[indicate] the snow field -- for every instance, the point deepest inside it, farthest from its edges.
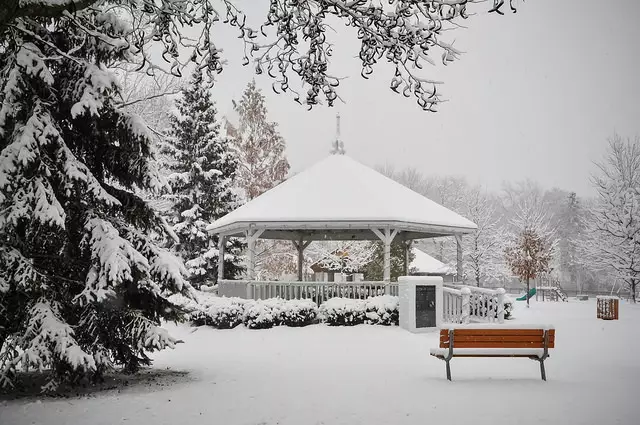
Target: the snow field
(374, 375)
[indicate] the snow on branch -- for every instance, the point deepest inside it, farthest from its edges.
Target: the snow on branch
(114, 260)
(46, 339)
(293, 40)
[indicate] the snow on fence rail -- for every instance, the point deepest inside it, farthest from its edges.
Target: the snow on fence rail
(470, 303)
(317, 291)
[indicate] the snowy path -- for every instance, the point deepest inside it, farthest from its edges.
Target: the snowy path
(375, 375)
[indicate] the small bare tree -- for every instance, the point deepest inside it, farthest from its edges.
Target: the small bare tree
(528, 257)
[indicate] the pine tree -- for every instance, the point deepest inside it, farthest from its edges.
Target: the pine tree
(374, 270)
(83, 280)
(203, 169)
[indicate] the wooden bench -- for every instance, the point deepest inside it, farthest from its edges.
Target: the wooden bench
(532, 342)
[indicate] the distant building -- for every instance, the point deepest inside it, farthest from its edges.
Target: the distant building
(425, 265)
(330, 270)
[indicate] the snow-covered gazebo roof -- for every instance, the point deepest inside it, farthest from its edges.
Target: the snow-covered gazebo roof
(339, 198)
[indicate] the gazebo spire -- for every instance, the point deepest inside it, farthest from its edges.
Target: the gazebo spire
(337, 146)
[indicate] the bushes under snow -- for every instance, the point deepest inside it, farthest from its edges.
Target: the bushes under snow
(343, 312)
(508, 307)
(227, 313)
(381, 310)
(297, 313)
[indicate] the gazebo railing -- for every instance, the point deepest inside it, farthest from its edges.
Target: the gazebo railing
(472, 304)
(461, 304)
(317, 291)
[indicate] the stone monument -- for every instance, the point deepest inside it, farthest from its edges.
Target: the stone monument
(420, 303)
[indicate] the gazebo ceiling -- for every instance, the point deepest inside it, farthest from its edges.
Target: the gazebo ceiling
(340, 199)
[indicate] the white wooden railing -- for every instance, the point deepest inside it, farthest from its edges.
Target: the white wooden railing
(471, 304)
(461, 304)
(317, 291)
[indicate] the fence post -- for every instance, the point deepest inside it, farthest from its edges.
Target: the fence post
(466, 305)
(500, 306)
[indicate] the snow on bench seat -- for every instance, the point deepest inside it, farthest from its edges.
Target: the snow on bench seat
(498, 326)
(497, 352)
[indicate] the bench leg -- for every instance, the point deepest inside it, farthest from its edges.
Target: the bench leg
(448, 370)
(543, 374)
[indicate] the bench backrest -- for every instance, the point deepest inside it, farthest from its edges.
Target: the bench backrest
(497, 338)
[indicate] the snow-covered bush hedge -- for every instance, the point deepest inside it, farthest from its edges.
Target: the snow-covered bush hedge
(298, 313)
(263, 314)
(508, 307)
(224, 313)
(343, 312)
(382, 310)
(211, 310)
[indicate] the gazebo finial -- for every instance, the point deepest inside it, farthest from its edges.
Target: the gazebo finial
(338, 146)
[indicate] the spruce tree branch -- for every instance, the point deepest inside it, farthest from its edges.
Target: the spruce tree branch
(155, 96)
(14, 9)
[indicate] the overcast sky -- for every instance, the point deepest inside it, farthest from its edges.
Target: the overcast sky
(535, 95)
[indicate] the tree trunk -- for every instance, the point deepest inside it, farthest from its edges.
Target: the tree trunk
(527, 296)
(634, 284)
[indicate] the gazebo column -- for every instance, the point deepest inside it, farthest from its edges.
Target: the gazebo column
(221, 248)
(252, 236)
(407, 253)
(459, 270)
(386, 236)
(300, 245)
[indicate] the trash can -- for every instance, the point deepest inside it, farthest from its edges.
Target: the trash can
(608, 307)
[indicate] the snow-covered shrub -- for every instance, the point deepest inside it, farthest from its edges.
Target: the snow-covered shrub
(298, 313)
(508, 307)
(343, 312)
(189, 305)
(225, 313)
(383, 310)
(211, 310)
(263, 314)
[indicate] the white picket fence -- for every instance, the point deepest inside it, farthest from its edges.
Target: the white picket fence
(471, 304)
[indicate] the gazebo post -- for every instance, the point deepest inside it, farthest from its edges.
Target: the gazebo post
(252, 236)
(459, 257)
(386, 237)
(300, 245)
(221, 247)
(407, 252)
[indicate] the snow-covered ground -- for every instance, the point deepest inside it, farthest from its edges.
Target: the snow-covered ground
(373, 375)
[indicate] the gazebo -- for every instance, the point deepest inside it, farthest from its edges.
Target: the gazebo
(338, 198)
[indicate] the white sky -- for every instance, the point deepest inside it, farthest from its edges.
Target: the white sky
(535, 95)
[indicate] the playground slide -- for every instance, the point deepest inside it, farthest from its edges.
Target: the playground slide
(531, 293)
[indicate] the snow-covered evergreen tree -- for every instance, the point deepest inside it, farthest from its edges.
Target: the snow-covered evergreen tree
(83, 281)
(203, 167)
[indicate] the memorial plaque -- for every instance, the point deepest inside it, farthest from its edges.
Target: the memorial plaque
(425, 306)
